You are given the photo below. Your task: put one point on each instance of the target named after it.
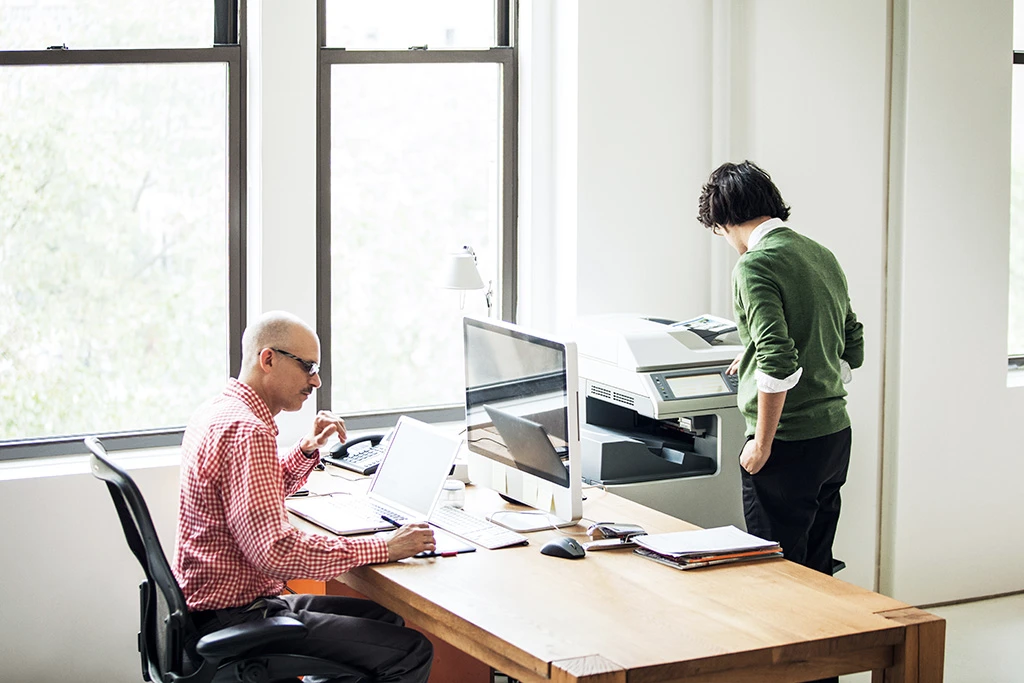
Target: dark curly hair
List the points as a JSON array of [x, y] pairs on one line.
[[737, 193]]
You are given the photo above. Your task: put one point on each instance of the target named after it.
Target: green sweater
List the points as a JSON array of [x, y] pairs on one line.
[[793, 311]]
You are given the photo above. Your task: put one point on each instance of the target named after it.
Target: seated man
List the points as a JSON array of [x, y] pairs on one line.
[[235, 546]]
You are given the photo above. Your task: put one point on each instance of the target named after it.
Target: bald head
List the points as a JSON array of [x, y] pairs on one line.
[[273, 330], [278, 351]]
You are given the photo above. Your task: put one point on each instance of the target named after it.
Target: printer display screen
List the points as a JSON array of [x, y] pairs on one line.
[[687, 386]]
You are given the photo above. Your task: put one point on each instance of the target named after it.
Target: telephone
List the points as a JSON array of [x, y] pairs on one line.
[[362, 460]]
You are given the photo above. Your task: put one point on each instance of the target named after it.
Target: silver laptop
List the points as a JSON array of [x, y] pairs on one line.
[[528, 446], [406, 487]]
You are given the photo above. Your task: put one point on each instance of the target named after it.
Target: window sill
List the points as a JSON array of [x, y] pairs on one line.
[[38, 468]]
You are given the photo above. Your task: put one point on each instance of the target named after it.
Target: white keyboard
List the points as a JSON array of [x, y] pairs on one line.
[[472, 528]]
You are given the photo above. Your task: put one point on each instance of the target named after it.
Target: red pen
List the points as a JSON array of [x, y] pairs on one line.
[[448, 553]]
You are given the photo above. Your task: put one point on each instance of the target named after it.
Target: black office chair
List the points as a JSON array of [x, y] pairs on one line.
[[253, 652]]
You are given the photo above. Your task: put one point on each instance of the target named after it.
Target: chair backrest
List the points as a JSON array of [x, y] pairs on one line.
[[165, 622]]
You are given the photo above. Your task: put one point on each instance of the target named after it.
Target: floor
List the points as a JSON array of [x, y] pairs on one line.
[[984, 642]]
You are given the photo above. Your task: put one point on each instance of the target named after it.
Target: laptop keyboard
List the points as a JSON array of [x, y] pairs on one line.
[[472, 528], [364, 461], [367, 509]]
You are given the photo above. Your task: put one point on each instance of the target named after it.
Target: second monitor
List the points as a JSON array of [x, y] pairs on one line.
[[523, 423]]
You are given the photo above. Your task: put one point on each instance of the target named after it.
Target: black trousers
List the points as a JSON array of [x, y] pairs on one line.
[[348, 630], [794, 499]]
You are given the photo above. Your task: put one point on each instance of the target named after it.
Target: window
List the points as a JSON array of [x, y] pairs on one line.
[[1016, 313], [416, 159], [120, 219]]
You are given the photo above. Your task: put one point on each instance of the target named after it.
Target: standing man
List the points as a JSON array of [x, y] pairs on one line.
[[235, 547], [800, 338]]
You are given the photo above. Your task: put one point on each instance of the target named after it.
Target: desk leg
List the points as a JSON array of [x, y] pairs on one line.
[[921, 657], [593, 669], [451, 665]]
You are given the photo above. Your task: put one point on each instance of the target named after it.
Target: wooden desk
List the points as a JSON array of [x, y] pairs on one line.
[[616, 617]]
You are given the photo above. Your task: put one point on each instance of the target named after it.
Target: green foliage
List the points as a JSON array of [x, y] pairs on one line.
[[28, 25], [113, 234], [112, 246], [424, 185]]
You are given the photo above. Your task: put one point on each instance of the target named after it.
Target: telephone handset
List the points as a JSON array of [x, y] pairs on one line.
[[362, 460], [341, 450]]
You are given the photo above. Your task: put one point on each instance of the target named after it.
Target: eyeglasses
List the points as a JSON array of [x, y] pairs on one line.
[[310, 367]]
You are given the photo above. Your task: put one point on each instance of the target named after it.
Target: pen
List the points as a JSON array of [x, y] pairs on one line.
[[390, 521], [447, 553]]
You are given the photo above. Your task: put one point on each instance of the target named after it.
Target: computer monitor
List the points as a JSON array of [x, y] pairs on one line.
[[522, 422]]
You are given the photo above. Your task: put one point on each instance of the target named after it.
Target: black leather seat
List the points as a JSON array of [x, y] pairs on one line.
[[253, 652]]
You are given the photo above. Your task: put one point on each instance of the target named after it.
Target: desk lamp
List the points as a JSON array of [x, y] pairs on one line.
[[461, 272]]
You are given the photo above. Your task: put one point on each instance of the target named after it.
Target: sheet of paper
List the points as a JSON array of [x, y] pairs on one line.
[[702, 541]]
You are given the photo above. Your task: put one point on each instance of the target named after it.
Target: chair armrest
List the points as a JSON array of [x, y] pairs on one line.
[[235, 640]]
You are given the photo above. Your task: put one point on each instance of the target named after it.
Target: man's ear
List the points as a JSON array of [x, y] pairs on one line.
[[266, 358]]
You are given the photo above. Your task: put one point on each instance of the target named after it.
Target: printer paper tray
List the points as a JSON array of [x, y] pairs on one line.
[[630, 462]]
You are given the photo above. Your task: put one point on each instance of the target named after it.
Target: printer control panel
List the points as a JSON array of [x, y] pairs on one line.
[[697, 383]]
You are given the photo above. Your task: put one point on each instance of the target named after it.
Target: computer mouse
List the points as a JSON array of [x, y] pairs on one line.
[[564, 546]]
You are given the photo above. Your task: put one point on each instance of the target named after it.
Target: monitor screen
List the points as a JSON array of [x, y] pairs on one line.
[[521, 413]]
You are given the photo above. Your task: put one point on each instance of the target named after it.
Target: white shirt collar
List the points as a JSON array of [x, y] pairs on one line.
[[762, 230]]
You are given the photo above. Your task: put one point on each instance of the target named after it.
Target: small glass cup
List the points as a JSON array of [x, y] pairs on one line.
[[453, 493]]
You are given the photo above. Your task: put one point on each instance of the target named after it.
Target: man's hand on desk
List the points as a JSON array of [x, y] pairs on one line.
[[409, 540]]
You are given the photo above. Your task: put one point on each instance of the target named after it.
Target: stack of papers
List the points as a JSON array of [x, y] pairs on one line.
[[705, 547]]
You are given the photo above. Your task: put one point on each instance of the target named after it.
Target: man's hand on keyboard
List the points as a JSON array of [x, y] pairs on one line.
[[410, 539]]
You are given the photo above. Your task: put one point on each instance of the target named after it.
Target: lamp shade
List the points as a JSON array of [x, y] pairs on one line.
[[460, 271]]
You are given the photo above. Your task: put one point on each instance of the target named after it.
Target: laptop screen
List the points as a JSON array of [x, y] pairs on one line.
[[412, 474], [529, 446]]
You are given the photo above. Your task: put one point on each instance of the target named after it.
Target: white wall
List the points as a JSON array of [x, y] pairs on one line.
[[282, 169], [810, 106], [68, 582], [801, 90], [804, 88], [953, 521], [548, 86], [644, 150]]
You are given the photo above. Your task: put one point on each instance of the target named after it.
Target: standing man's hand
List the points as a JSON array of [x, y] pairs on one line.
[[758, 449], [753, 457], [324, 425], [410, 539], [734, 367]]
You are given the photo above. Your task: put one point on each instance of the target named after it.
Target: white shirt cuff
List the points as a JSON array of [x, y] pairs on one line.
[[770, 385], [845, 373]]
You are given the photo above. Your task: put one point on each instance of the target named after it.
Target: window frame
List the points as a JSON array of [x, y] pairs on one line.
[[229, 19], [1016, 362], [505, 53]]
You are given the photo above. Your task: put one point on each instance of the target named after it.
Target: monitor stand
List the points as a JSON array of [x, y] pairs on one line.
[[525, 521]]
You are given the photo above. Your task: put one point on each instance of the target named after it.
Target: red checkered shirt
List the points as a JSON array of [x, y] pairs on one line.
[[235, 542]]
